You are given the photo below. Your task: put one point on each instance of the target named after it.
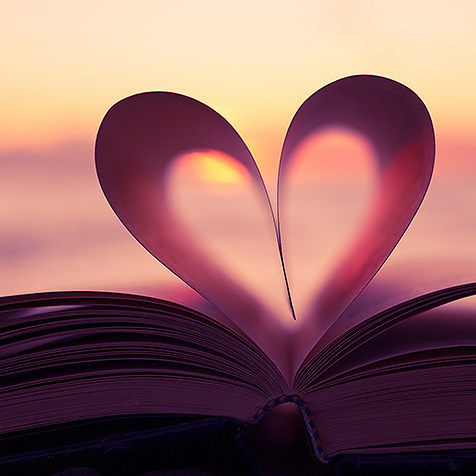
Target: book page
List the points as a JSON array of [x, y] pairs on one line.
[[412, 375], [88, 354], [150, 145], [449, 328], [399, 131]]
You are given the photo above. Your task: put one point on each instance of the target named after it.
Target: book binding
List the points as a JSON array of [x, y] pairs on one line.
[[308, 419]]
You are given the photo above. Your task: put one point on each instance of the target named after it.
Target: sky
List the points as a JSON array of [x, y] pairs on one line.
[[64, 64]]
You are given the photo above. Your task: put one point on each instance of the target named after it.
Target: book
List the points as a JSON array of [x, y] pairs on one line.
[[366, 377]]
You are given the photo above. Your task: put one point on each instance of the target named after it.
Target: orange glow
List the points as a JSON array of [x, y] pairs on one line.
[[66, 63], [219, 172], [255, 64], [333, 154]]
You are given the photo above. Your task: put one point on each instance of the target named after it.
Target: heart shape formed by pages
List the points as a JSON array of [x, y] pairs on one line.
[[142, 135]]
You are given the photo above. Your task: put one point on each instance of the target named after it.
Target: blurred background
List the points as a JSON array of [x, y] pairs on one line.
[[64, 64]]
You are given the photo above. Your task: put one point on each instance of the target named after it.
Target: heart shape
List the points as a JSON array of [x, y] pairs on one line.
[[141, 135]]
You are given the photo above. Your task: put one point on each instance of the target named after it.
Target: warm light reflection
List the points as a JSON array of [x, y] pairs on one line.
[[335, 153], [219, 172], [329, 187]]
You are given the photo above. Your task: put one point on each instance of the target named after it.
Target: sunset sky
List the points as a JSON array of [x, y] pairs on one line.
[[64, 64]]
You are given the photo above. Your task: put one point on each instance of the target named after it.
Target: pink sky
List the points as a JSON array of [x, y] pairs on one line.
[[67, 63]]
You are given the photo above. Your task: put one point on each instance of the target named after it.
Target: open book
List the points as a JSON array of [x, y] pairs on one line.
[[368, 375]]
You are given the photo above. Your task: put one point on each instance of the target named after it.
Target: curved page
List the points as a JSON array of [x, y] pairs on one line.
[[139, 140], [81, 355], [397, 125]]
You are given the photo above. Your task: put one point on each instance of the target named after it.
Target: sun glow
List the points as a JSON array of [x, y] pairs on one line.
[[216, 170]]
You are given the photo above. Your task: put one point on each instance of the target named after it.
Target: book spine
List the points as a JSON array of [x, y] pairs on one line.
[[307, 417]]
